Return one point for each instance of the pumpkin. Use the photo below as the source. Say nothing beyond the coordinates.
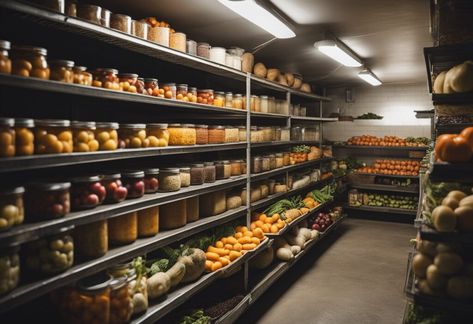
(439, 82)
(306, 88)
(452, 148)
(461, 78)
(260, 70)
(467, 134)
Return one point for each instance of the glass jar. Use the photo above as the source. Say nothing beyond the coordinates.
(257, 103)
(10, 268)
(197, 174)
(121, 303)
(178, 41)
(151, 180)
(47, 200)
(243, 167)
(84, 136)
(303, 111)
(202, 134)
(296, 110)
(120, 22)
(265, 164)
(139, 29)
(219, 99)
(169, 90)
(272, 105)
(219, 170)
(192, 209)
(272, 161)
(237, 101)
(285, 134)
(264, 190)
(256, 164)
(296, 133)
(286, 158)
(61, 70)
(231, 134)
(264, 105)
(128, 82)
(256, 135)
(148, 221)
(181, 92)
(227, 171)
(107, 135)
(87, 192)
(7, 133)
(12, 210)
(50, 255)
(90, 13)
(279, 160)
(216, 134)
(5, 62)
(24, 137)
(140, 86)
(158, 135)
(192, 94)
(159, 35)
(209, 172)
(173, 215)
(71, 8)
(277, 134)
(116, 192)
(123, 229)
(205, 96)
(81, 76)
(203, 50)
(182, 134)
(185, 175)
(264, 136)
(134, 182)
(236, 167)
(30, 61)
(106, 78)
(53, 136)
(91, 240)
(191, 47)
(242, 133)
(105, 17)
(169, 179)
(217, 55)
(228, 100)
(134, 135)
(152, 87)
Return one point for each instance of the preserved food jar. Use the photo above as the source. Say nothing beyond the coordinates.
(219, 99)
(53, 136)
(5, 62)
(134, 182)
(216, 134)
(159, 35)
(139, 29)
(116, 192)
(197, 174)
(106, 78)
(181, 134)
(285, 134)
(90, 13)
(237, 101)
(128, 82)
(185, 175)
(205, 96)
(212, 204)
(140, 86)
(30, 61)
(243, 167)
(264, 105)
(81, 76)
(273, 134)
(277, 134)
(202, 134)
(209, 172)
(7, 133)
(279, 160)
(105, 18)
(219, 170)
(50, 255)
(296, 110)
(152, 87)
(173, 215)
(134, 135)
(242, 133)
(217, 55)
(55, 5)
(148, 221)
(177, 41)
(192, 94)
(236, 167)
(123, 229)
(203, 50)
(121, 304)
(257, 103)
(170, 90)
(192, 209)
(61, 70)
(181, 92)
(12, 210)
(303, 111)
(286, 158)
(272, 105)
(84, 136)
(169, 179)
(256, 164)
(120, 22)
(256, 135)
(191, 47)
(265, 164)
(87, 192)
(231, 134)
(151, 180)
(158, 135)
(47, 200)
(10, 268)
(228, 100)
(107, 135)
(272, 161)
(296, 133)
(266, 133)
(91, 240)
(71, 8)
(227, 169)
(24, 137)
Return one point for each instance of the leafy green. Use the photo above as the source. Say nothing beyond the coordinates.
(161, 265)
(195, 316)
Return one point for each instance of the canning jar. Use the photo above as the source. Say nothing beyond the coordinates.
(256, 164)
(257, 103)
(242, 133)
(134, 182)
(134, 135)
(182, 134)
(197, 174)
(205, 96)
(10, 268)
(106, 78)
(272, 161)
(272, 105)
(105, 17)
(217, 55)
(159, 35)
(5, 62)
(228, 100)
(209, 172)
(50, 255)
(53, 136)
(231, 134)
(91, 240)
(177, 41)
(123, 229)
(264, 105)
(151, 180)
(191, 47)
(30, 61)
(277, 134)
(128, 82)
(140, 86)
(87, 192)
(152, 87)
(107, 135)
(243, 167)
(219, 170)
(7, 133)
(273, 134)
(90, 13)
(181, 92)
(61, 70)
(236, 167)
(121, 304)
(71, 8)
(279, 160)
(139, 29)
(24, 137)
(265, 164)
(267, 134)
(173, 215)
(84, 136)
(192, 94)
(227, 169)
(120, 22)
(148, 221)
(213, 203)
(12, 210)
(237, 101)
(256, 135)
(158, 135)
(192, 208)
(169, 179)
(203, 50)
(216, 134)
(47, 200)
(81, 76)
(285, 134)
(286, 158)
(202, 134)
(296, 110)
(185, 175)
(169, 90)
(219, 99)
(296, 133)
(116, 192)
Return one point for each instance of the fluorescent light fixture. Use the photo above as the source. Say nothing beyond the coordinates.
(253, 12)
(369, 77)
(338, 53)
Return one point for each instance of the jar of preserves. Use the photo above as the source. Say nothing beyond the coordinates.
(87, 192)
(61, 70)
(91, 240)
(232, 134)
(236, 167)
(191, 47)
(264, 104)
(173, 215)
(265, 164)
(139, 29)
(285, 134)
(242, 133)
(90, 13)
(140, 86)
(277, 134)
(205, 96)
(243, 167)
(169, 179)
(123, 229)
(7, 133)
(120, 22)
(134, 135)
(192, 94)
(12, 210)
(116, 192)
(181, 92)
(296, 133)
(106, 78)
(256, 164)
(227, 169)
(182, 134)
(272, 105)
(185, 175)
(134, 182)
(192, 209)
(286, 158)
(178, 41)
(47, 200)
(152, 87)
(30, 61)
(10, 268)
(105, 17)
(279, 160)
(24, 137)
(203, 50)
(55, 5)
(219, 170)
(148, 221)
(5, 62)
(81, 76)
(158, 135)
(128, 82)
(216, 134)
(121, 304)
(107, 135)
(84, 136)
(202, 134)
(256, 135)
(151, 180)
(209, 172)
(159, 35)
(228, 100)
(237, 101)
(71, 8)
(273, 134)
(219, 99)
(272, 161)
(170, 90)
(53, 136)
(197, 174)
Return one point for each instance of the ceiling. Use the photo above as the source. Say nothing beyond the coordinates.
(387, 34)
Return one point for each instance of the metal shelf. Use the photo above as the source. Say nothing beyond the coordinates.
(255, 114)
(316, 119)
(455, 128)
(428, 233)
(282, 143)
(236, 312)
(385, 210)
(379, 187)
(387, 148)
(386, 175)
(444, 171)
(28, 232)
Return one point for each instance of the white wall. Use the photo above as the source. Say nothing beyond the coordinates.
(395, 102)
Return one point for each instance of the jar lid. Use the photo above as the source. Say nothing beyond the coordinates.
(9, 122)
(65, 63)
(203, 44)
(257, 158)
(197, 165)
(111, 176)
(150, 80)
(237, 161)
(128, 75)
(241, 127)
(171, 84)
(253, 128)
(220, 93)
(159, 126)
(229, 93)
(230, 127)
(133, 174)
(191, 41)
(88, 178)
(121, 16)
(217, 48)
(53, 123)
(83, 124)
(192, 89)
(119, 267)
(37, 50)
(13, 191)
(104, 11)
(170, 170)
(79, 68)
(151, 171)
(182, 85)
(95, 283)
(175, 125)
(118, 283)
(24, 122)
(279, 154)
(254, 96)
(205, 90)
(184, 169)
(216, 127)
(238, 95)
(209, 164)
(201, 126)
(111, 125)
(5, 44)
(188, 125)
(89, 6)
(263, 97)
(219, 163)
(108, 70)
(226, 161)
(133, 126)
(50, 186)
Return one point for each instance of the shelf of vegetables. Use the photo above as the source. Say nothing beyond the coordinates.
(386, 188)
(386, 210)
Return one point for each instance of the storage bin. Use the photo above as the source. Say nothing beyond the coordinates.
(173, 215)
(192, 208)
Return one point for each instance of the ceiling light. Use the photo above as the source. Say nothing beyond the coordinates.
(369, 77)
(338, 52)
(253, 12)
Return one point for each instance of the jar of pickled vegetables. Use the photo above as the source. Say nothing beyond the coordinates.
(182, 134)
(192, 208)
(237, 101)
(5, 62)
(134, 135)
(177, 41)
(228, 100)
(87, 192)
(84, 136)
(140, 86)
(170, 90)
(47, 200)
(9, 268)
(133, 180)
(236, 167)
(158, 135)
(192, 94)
(106, 78)
(53, 136)
(123, 229)
(148, 221)
(264, 105)
(81, 76)
(116, 191)
(107, 135)
(205, 96)
(30, 61)
(202, 134)
(120, 22)
(181, 92)
(91, 240)
(12, 211)
(121, 304)
(152, 86)
(151, 180)
(61, 70)
(219, 99)
(128, 82)
(7, 133)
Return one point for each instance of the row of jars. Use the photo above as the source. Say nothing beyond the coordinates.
(270, 162)
(299, 133)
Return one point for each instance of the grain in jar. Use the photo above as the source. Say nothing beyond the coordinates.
(61, 70)
(231, 134)
(266, 133)
(182, 134)
(120, 22)
(228, 100)
(242, 133)
(84, 136)
(173, 215)
(7, 133)
(236, 167)
(273, 134)
(30, 61)
(265, 164)
(256, 135)
(90, 13)
(197, 174)
(107, 135)
(264, 106)
(192, 209)
(219, 99)
(202, 134)
(203, 50)
(53, 136)
(148, 221)
(133, 135)
(279, 160)
(212, 204)
(91, 240)
(158, 135)
(209, 172)
(123, 229)
(139, 29)
(185, 175)
(256, 164)
(237, 101)
(151, 180)
(10, 269)
(177, 41)
(216, 134)
(5, 62)
(121, 303)
(12, 210)
(133, 180)
(285, 134)
(81, 76)
(159, 35)
(169, 179)
(191, 47)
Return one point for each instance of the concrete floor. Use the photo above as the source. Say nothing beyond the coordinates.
(355, 276)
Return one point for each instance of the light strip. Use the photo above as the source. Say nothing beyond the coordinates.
(259, 16)
(369, 77)
(338, 53)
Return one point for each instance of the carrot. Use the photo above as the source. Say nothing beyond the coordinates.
(249, 246)
(217, 265)
(224, 261)
(219, 251)
(212, 256)
(208, 265)
(234, 255)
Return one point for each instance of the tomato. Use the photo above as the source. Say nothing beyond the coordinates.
(453, 148)
(467, 134)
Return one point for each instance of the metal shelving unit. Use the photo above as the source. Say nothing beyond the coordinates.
(384, 210)
(385, 148)
(388, 188)
(268, 174)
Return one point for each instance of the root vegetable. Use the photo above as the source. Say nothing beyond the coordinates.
(439, 81)
(435, 278)
(260, 70)
(158, 285)
(284, 254)
(295, 249)
(444, 219)
(194, 263)
(464, 217)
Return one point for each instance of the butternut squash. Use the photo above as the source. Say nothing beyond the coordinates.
(462, 77)
(439, 82)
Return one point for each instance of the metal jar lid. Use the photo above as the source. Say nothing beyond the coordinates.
(83, 124)
(8, 122)
(12, 191)
(95, 283)
(133, 126)
(50, 186)
(151, 171)
(5, 45)
(109, 125)
(53, 122)
(88, 178)
(64, 63)
(128, 75)
(159, 126)
(170, 170)
(133, 174)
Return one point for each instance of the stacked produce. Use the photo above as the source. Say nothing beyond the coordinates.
(293, 242)
(457, 79)
(455, 148)
(392, 167)
(292, 80)
(369, 140)
(302, 153)
(357, 199)
(324, 219)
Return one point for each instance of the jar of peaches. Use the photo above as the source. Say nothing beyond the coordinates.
(24, 136)
(169, 90)
(7, 135)
(61, 70)
(181, 92)
(81, 76)
(107, 135)
(237, 101)
(219, 99)
(84, 136)
(128, 82)
(53, 136)
(158, 135)
(30, 61)
(205, 96)
(192, 94)
(106, 78)
(5, 62)
(134, 135)
(152, 87)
